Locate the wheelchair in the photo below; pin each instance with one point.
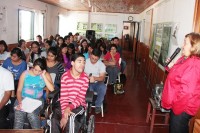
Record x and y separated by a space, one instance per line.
87 122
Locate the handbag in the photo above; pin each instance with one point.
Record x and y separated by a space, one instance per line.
118 88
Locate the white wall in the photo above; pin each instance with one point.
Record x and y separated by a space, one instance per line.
97 17
112 18
11 25
179 12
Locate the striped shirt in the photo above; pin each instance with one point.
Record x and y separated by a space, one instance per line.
58 69
73 91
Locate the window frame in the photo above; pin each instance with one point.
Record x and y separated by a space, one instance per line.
32 24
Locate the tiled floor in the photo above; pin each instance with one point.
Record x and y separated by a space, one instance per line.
127 113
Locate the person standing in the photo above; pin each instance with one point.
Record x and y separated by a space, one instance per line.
181 92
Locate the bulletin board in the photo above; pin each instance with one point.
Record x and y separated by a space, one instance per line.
98 27
82 26
161 39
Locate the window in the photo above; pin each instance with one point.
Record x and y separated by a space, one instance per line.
62 24
26 25
31 24
41 24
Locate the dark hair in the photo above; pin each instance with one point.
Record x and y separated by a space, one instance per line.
41 62
70 34
20 42
39 50
71 45
61 39
4 44
91 45
115 38
49 42
54 51
16 51
65 38
82 49
103 45
62 46
113 45
77 55
96 52
60 52
39 36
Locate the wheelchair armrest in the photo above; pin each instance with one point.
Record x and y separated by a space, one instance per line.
53 93
89 96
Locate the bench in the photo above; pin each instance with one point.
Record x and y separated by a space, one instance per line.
21 131
14 45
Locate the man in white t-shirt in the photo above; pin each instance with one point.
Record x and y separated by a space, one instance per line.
6 86
96 70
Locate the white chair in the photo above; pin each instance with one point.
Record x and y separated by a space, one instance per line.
53 76
118 75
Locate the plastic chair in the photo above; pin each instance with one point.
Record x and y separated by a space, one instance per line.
118 76
53 76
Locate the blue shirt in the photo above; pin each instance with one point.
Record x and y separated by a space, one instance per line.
33 86
16 70
86 55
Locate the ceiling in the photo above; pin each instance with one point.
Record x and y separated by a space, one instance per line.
109 6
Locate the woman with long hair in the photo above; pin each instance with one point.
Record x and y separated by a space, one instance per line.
64 56
53 66
31 85
35 52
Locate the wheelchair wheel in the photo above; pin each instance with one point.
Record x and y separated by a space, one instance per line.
91 124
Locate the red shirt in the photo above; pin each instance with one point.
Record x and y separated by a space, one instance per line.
108 57
182 87
73 91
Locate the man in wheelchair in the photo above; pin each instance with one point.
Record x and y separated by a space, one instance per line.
72 101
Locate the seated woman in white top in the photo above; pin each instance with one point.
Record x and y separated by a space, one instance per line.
4 54
35 52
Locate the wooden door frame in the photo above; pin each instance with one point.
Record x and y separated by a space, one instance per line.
196 20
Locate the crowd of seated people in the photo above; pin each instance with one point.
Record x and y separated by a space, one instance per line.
54 56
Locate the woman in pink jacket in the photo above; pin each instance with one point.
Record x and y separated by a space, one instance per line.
181 91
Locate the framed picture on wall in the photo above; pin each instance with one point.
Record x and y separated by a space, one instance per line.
98 27
125 27
111 28
82 26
